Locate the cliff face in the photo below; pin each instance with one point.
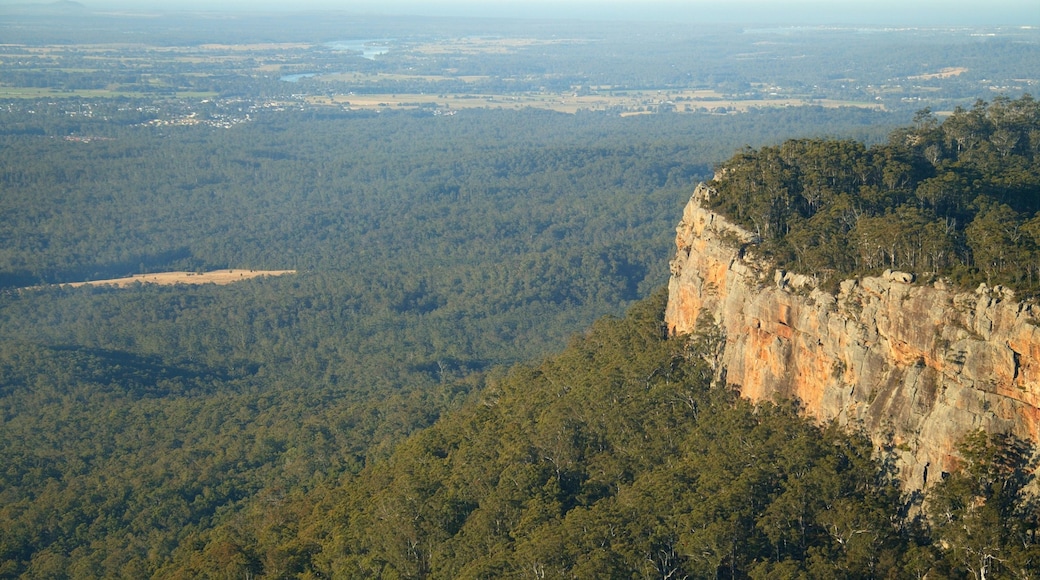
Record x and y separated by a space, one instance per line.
917 364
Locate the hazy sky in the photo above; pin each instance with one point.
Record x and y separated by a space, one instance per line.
910 12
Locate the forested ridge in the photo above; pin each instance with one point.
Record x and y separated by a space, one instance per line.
430 249
618 459
958 199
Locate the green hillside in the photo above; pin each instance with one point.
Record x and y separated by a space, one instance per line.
617 459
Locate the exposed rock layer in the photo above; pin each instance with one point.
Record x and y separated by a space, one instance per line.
919 364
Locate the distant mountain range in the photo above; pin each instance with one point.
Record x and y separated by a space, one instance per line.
56 7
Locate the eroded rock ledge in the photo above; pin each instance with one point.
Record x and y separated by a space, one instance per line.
917 364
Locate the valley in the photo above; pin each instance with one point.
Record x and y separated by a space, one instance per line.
448 349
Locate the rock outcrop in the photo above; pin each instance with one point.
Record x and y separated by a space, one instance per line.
916 364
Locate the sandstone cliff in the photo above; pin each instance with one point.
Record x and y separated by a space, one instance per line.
919 364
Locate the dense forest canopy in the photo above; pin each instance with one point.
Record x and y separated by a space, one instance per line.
618 459
429 249
292 190
958 198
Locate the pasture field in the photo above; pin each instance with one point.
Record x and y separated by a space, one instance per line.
196 72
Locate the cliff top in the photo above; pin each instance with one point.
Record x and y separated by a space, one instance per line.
956 199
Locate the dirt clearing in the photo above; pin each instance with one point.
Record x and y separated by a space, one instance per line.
170 278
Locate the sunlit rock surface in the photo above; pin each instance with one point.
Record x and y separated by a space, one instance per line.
917 365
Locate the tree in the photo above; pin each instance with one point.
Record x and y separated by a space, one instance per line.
965 129
982 518
947 194
997 240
